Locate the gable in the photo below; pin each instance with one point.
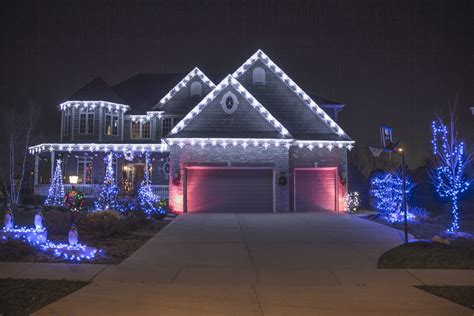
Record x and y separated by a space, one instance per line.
179 99
287 102
211 119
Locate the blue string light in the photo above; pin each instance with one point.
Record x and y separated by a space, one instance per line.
386 191
108 196
449 176
56 189
147 199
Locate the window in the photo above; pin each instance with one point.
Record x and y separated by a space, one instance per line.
141 129
86 121
166 126
84 170
229 103
258 76
111 122
67 121
196 88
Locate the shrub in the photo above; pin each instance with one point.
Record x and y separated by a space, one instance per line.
15 250
421 214
133 220
57 221
99 224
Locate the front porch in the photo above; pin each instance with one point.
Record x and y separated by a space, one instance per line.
83 167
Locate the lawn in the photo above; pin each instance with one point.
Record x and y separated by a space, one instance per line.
462 295
23 297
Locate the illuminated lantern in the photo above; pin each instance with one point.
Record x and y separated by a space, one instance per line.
39 220
9 220
73 236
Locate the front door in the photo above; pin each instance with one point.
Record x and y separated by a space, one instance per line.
133 176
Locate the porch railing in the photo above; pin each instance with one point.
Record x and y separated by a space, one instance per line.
91 190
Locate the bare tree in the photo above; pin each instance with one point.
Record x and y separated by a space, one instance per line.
449 172
19 128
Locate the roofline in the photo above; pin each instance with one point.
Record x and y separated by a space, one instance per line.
231 81
93 104
303 96
193 73
95 147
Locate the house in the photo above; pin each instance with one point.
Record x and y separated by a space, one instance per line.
250 141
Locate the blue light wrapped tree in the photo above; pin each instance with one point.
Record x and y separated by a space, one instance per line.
386 192
147 199
108 195
56 190
449 175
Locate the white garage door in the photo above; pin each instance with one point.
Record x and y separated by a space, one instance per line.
229 190
315 189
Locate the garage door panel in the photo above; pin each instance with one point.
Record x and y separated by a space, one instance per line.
315 189
229 190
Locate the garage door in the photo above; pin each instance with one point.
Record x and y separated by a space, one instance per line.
315 189
229 190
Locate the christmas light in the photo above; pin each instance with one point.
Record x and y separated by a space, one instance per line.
94 104
352 202
193 73
109 191
449 176
315 108
386 190
34 236
56 189
77 252
146 198
93 147
226 82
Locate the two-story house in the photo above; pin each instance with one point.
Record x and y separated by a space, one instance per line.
250 141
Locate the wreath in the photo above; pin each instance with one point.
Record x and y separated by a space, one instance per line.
74 200
128 155
282 180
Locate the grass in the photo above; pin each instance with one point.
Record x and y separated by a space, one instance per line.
462 295
429 255
23 297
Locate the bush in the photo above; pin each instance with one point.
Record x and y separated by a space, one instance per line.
421 214
15 250
57 221
134 220
99 224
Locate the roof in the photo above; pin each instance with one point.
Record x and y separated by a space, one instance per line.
97 90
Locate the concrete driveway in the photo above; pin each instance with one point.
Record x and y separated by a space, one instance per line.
260 264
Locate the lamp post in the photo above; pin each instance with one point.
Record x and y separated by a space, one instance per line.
404 194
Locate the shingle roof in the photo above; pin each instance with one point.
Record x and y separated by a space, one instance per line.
96 90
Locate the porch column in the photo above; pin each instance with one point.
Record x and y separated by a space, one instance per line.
36 168
52 165
147 171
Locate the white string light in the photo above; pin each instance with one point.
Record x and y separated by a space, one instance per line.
193 73
94 104
260 55
230 81
163 147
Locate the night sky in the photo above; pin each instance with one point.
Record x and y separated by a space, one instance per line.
391 62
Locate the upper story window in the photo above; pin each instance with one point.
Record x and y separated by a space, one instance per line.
86 120
167 124
111 122
196 88
84 169
258 76
67 121
141 129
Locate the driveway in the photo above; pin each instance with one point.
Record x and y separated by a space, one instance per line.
259 264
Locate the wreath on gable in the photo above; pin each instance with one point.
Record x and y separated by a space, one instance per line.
128 155
282 180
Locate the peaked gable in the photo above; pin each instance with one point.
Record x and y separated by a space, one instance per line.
297 120
183 83
211 119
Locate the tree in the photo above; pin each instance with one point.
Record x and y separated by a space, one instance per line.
449 173
108 195
56 190
147 199
19 128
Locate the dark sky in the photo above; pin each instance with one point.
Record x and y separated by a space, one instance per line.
391 62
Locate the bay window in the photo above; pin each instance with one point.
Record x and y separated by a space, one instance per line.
86 121
141 129
111 122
